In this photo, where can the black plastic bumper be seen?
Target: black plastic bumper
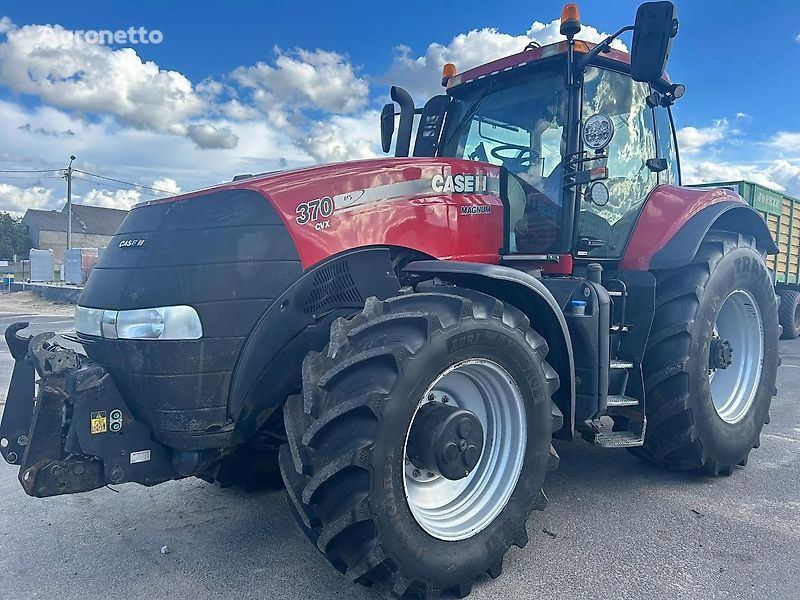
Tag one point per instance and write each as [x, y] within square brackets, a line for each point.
[76, 433]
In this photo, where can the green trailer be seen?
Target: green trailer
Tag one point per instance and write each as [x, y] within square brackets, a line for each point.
[782, 215]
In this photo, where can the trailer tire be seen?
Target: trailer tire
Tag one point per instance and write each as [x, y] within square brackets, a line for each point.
[345, 465]
[693, 423]
[789, 313]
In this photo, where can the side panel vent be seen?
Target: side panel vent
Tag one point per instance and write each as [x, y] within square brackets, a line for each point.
[333, 287]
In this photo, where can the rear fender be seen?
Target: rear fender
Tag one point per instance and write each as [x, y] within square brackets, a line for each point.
[729, 216]
[528, 294]
[675, 220]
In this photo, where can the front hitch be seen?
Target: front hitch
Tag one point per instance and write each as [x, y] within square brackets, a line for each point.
[76, 433]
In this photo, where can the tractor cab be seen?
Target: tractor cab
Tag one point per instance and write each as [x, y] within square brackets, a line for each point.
[582, 132]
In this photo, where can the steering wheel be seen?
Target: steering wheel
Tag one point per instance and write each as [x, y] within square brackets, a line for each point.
[521, 162]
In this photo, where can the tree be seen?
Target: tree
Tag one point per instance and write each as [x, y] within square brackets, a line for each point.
[13, 237]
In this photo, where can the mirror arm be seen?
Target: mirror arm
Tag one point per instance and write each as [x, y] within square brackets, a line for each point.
[603, 46]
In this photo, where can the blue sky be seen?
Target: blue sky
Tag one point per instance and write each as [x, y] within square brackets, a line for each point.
[243, 87]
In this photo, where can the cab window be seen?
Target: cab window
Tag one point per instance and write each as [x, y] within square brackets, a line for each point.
[666, 146]
[518, 124]
[606, 229]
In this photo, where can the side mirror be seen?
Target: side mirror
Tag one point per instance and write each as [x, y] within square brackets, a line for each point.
[656, 25]
[387, 126]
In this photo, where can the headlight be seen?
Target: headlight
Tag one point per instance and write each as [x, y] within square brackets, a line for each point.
[163, 323]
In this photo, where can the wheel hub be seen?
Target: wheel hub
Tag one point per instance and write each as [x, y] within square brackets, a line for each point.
[478, 390]
[720, 354]
[734, 384]
[445, 440]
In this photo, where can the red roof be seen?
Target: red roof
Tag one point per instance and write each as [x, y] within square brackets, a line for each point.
[534, 54]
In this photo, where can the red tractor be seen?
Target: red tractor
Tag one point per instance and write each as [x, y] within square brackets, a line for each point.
[404, 337]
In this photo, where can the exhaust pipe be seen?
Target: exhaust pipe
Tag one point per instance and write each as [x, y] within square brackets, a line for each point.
[406, 125]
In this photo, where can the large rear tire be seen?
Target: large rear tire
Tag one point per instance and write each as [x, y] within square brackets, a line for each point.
[702, 415]
[350, 484]
[789, 313]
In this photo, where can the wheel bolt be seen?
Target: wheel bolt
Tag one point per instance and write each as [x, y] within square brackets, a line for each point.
[431, 397]
[415, 473]
[22, 440]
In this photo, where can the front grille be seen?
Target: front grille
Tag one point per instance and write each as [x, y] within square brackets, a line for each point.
[225, 253]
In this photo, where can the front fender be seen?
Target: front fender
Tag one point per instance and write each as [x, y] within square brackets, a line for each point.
[529, 295]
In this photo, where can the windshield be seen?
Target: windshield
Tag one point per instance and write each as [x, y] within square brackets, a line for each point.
[518, 125]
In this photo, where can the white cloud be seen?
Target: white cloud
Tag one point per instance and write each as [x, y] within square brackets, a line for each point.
[786, 141]
[774, 163]
[17, 200]
[343, 138]
[692, 139]
[122, 199]
[797, 39]
[421, 75]
[233, 109]
[206, 135]
[786, 174]
[780, 174]
[106, 148]
[168, 185]
[305, 79]
[64, 70]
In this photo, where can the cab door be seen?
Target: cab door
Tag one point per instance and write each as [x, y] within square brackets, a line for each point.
[603, 231]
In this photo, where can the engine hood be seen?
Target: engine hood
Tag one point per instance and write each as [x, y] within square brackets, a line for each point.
[331, 208]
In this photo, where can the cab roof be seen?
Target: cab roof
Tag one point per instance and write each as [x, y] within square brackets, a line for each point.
[531, 55]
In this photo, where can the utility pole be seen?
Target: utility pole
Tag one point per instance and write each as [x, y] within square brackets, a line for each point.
[68, 177]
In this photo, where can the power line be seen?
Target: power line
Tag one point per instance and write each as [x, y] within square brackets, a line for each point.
[29, 170]
[28, 174]
[34, 177]
[129, 183]
[119, 187]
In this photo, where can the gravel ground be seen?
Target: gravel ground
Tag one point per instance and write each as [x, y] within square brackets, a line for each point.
[615, 528]
[28, 303]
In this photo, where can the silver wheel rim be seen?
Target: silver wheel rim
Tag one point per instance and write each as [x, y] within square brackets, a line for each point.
[456, 510]
[733, 389]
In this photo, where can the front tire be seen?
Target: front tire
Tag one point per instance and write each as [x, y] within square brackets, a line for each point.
[348, 479]
[706, 406]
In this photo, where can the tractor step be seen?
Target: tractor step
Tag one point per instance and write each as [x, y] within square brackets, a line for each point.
[619, 439]
[613, 401]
